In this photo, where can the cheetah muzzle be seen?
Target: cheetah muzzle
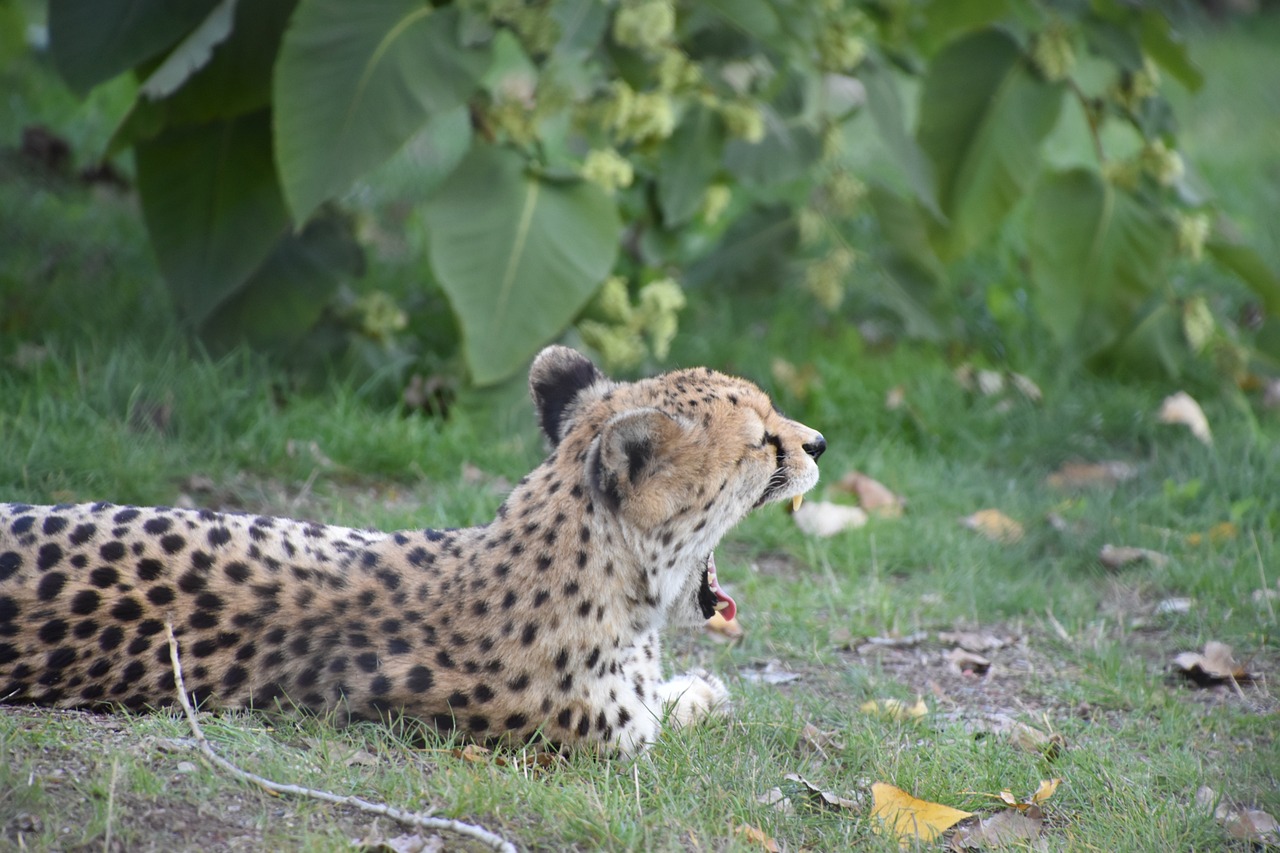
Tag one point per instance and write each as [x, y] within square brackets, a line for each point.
[546, 620]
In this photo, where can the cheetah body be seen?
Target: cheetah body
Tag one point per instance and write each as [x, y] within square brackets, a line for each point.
[547, 619]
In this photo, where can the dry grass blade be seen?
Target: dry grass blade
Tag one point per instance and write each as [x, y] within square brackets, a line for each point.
[467, 830]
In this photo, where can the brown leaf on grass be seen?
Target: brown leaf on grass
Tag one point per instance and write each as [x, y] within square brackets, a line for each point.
[995, 525]
[534, 759]
[822, 518]
[817, 797]
[873, 496]
[1119, 556]
[1182, 409]
[1215, 665]
[776, 798]
[819, 742]
[757, 837]
[720, 628]
[1009, 828]
[772, 672]
[1025, 737]
[895, 709]
[414, 843]
[1026, 387]
[1251, 825]
[1223, 531]
[361, 758]
[973, 640]
[1080, 475]
[967, 663]
[905, 817]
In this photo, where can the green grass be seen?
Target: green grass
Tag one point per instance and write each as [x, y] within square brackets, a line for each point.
[108, 402]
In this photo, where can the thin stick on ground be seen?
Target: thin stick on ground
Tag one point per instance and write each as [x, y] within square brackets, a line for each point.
[476, 833]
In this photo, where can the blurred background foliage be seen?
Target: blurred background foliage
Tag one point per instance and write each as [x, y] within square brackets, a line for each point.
[423, 194]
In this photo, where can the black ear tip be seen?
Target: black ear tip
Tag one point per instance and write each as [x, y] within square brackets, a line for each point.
[557, 377]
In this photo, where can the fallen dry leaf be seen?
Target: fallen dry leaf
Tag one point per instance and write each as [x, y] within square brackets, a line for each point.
[906, 817]
[873, 496]
[723, 629]
[1009, 828]
[1214, 665]
[895, 398]
[1252, 825]
[758, 838]
[995, 525]
[988, 382]
[772, 672]
[362, 758]
[822, 518]
[967, 663]
[1118, 556]
[1025, 737]
[1183, 410]
[1223, 531]
[1026, 387]
[821, 743]
[898, 642]
[895, 709]
[972, 640]
[818, 797]
[1078, 475]
[414, 843]
[1174, 605]
[776, 798]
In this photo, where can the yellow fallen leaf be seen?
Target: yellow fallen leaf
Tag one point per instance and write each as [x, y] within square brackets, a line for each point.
[1046, 790]
[1119, 556]
[757, 837]
[1215, 665]
[1223, 531]
[906, 817]
[873, 496]
[995, 525]
[895, 709]
[1183, 410]
[1078, 475]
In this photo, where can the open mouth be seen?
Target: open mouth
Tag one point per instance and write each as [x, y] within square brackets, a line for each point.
[711, 598]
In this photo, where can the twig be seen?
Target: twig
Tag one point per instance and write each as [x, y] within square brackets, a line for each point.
[476, 833]
[111, 805]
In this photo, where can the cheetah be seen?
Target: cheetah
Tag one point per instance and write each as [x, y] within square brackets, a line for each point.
[545, 621]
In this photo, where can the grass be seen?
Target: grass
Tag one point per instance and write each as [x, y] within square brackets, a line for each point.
[104, 401]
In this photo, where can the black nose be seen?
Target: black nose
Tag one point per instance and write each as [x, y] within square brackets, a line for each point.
[816, 447]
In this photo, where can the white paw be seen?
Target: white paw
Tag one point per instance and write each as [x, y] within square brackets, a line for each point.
[693, 696]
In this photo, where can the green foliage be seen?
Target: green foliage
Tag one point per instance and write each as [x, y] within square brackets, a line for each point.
[562, 142]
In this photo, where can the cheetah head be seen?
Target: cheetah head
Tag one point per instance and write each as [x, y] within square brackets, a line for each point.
[674, 461]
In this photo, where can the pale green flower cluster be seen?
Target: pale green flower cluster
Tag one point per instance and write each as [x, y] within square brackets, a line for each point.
[379, 316]
[1198, 323]
[845, 194]
[1134, 88]
[1052, 52]
[742, 119]
[638, 116]
[842, 40]
[676, 72]
[825, 277]
[1160, 163]
[644, 25]
[608, 169]
[620, 335]
[1193, 230]
[714, 203]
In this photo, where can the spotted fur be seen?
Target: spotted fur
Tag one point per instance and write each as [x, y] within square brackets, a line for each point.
[547, 619]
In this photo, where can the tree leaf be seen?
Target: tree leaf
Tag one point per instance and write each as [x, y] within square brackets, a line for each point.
[905, 817]
[212, 207]
[944, 19]
[286, 295]
[518, 256]
[192, 53]
[1167, 48]
[785, 153]
[1096, 255]
[687, 164]
[1245, 262]
[354, 81]
[754, 17]
[983, 115]
[94, 40]
[884, 102]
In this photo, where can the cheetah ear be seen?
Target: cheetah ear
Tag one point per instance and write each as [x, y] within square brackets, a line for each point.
[634, 447]
[557, 377]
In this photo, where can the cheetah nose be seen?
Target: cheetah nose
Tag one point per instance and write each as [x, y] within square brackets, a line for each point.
[816, 447]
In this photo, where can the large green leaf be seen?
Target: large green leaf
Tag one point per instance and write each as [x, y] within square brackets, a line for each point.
[786, 152]
[1096, 255]
[192, 53]
[1167, 48]
[884, 102]
[212, 206]
[1245, 262]
[687, 164]
[94, 40]
[286, 295]
[983, 115]
[914, 275]
[354, 81]
[941, 20]
[518, 256]
[753, 17]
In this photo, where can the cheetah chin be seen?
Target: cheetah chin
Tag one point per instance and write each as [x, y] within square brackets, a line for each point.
[545, 622]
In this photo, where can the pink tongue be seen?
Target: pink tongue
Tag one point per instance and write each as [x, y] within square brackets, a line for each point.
[730, 609]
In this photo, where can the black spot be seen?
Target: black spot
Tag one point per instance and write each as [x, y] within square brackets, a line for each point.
[150, 628]
[85, 602]
[52, 631]
[584, 726]
[564, 718]
[420, 679]
[209, 601]
[544, 562]
[8, 653]
[444, 659]
[103, 577]
[519, 683]
[509, 600]
[50, 586]
[112, 551]
[308, 676]
[149, 569]
[127, 610]
[562, 659]
[582, 559]
[173, 543]
[368, 661]
[125, 515]
[204, 648]
[192, 582]
[541, 598]
[482, 693]
[9, 608]
[529, 633]
[99, 668]
[202, 560]
[458, 699]
[219, 536]
[139, 645]
[10, 562]
[202, 620]
[398, 646]
[82, 534]
[248, 650]
[234, 677]
[160, 595]
[157, 526]
[85, 629]
[60, 658]
[237, 572]
[516, 721]
[134, 671]
[593, 658]
[50, 555]
[22, 525]
[53, 525]
[380, 685]
[110, 638]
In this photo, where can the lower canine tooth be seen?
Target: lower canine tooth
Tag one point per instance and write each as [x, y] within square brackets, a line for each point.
[721, 605]
[796, 501]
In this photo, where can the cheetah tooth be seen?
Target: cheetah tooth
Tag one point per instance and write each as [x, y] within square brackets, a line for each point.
[796, 501]
[721, 605]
